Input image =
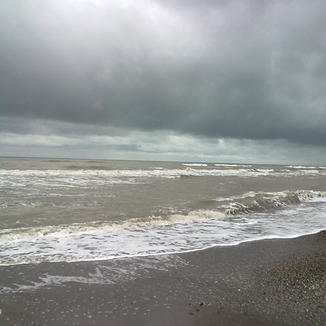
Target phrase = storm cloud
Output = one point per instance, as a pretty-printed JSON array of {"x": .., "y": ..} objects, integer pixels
[{"x": 242, "y": 70}]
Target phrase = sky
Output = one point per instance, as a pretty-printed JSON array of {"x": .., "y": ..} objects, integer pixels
[{"x": 187, "y": 80}]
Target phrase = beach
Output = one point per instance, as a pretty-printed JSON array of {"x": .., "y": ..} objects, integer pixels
[
  {"x": 266, "y": 282},
  {"x": 104, "y": 242}
]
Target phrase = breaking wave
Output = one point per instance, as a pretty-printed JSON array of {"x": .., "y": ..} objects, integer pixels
[
  {"x": 194, "y": 164},
  {"x": 263, "y": 201},
  {"x": 162, "y": 172},
  {"x": 235, "y": 219}
]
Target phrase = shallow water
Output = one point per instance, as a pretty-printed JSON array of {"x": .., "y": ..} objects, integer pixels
[{"x": 76, "y": 210}]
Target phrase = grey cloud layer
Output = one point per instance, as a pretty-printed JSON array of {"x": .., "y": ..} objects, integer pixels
[{"x": 238, "y": 69}]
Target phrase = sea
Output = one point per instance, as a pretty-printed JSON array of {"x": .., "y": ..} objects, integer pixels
[{"x": 69, "y": 210}]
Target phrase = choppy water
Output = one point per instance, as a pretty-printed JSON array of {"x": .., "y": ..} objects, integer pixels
[{"x": 77, "y": 210}]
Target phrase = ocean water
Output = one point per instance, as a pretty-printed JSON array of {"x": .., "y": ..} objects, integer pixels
[{"x": 61, "y": 210}]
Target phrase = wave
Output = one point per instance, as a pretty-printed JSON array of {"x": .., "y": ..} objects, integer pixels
[
  {"x": 305, "y": 167},
  {"x": 263, "y": 201},
  {"x": 233, "y": 165},
  {"x": 194, "y": 164},
  {"x": 253, "y": 202},
  {"x": 7, "y": 235},
  {"x": 89, "y": 167},
  {"x": 233, "y": 220},
  {"x": 142, "y": 173}
]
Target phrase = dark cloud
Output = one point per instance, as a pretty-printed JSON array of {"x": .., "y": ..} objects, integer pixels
[{"x": 249, "y": 69}]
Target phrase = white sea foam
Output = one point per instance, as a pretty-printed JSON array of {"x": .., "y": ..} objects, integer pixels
[
  {"x": 165, "y": 234},
  {"x": 305, "y": 167},
  {"x": 233, "y": 165},
  {"x": 131, "y": 269},
  {"x": 262, "y": 201},
  {"x": 83, "y": 176},
  {"x": 302, "y": 195},
  {"x": 194, "y": 164}
]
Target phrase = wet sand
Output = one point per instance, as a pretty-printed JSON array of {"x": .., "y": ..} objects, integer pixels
[{"x": 268, "y": 282}]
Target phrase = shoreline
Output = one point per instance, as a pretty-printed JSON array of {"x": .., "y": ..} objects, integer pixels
[
  {"x": 279, "y": 281},
  {"x": 169, "y": 253}
]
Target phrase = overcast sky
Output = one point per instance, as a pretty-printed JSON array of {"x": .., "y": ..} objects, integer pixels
[{"x": 206, "y": 80}]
